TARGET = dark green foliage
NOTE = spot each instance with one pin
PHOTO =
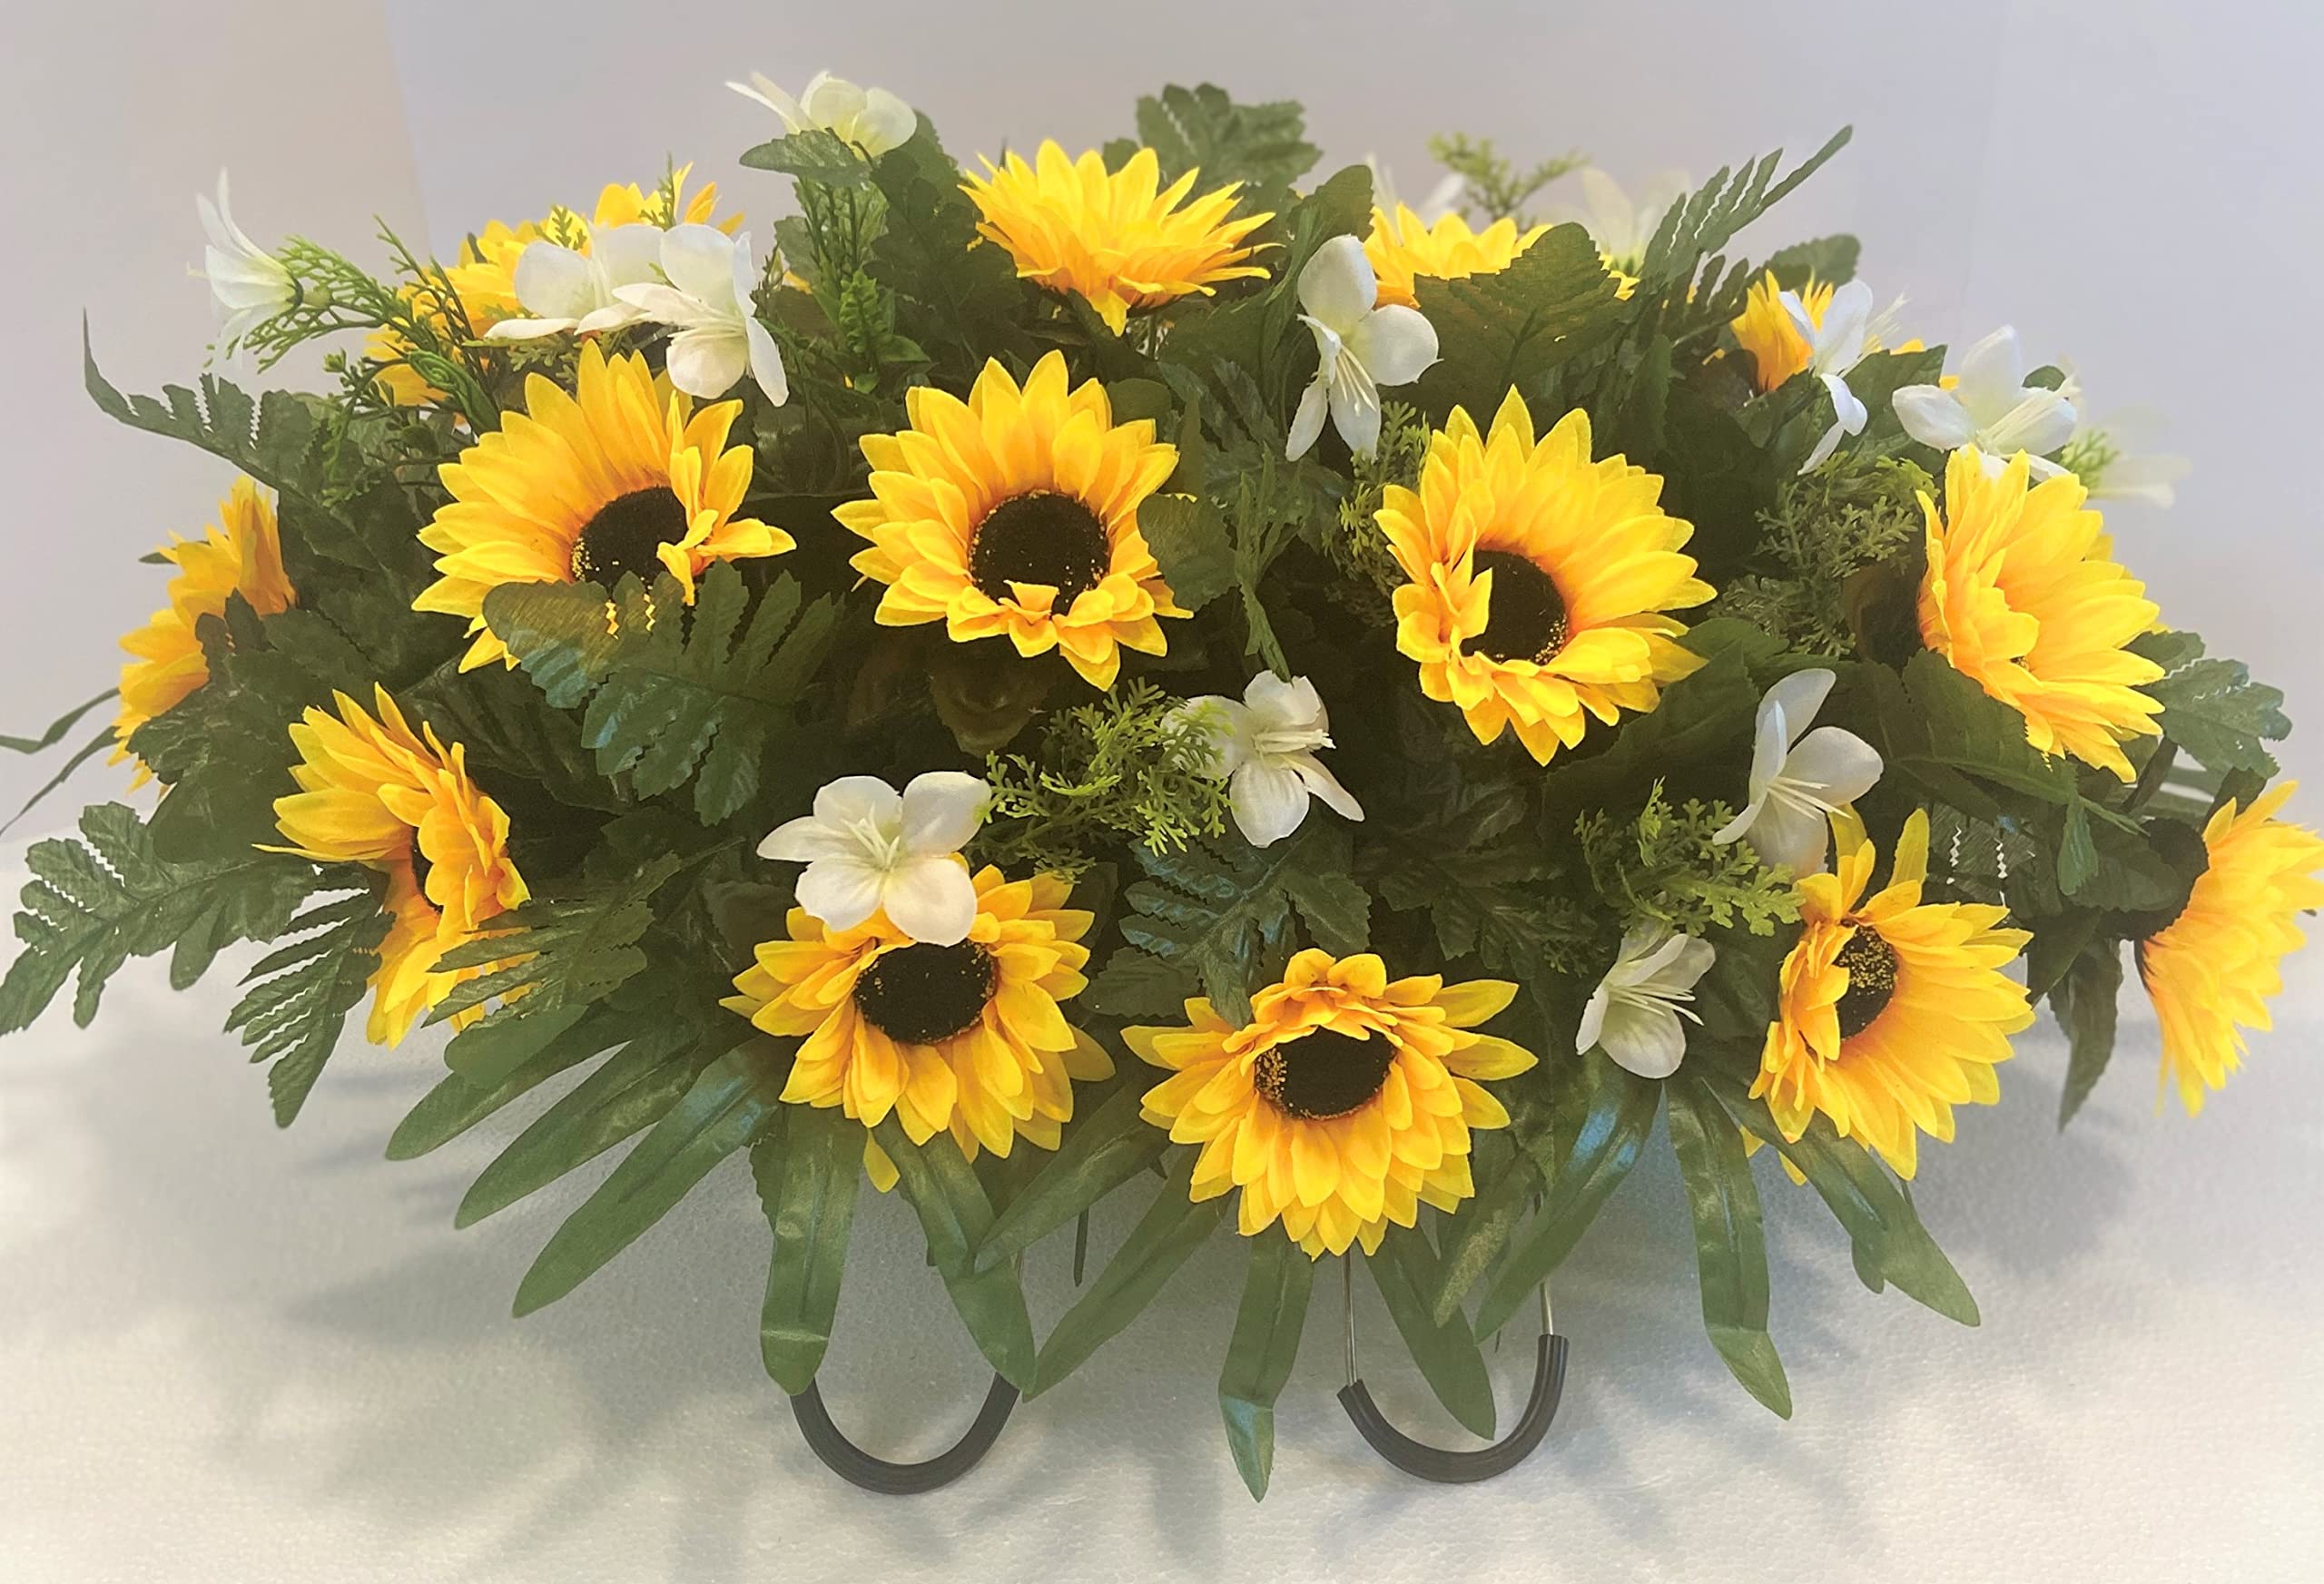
(1263, 147)
(808, 1163)
(1511, 328)
(812, 155)
(2084, 1002)
(1262, 1350)
(1172, 1228)
(1107, 1147)
(1730, 1247)
(1216, 920)
(299, 996)
(93, 905)
(672, 697)
(955, 1215)
(2211, 707)
(1406, 1272)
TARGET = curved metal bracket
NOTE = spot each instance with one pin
(1436, 1464)
(859, 1467)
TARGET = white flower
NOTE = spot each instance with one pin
(1359, 348)
(2109, 455)
(1634, 1012)
(707, 300)
(1850, 333)
(248, 283)
(1265, 749)
(1622, 228)
(568, 292)
(1796, 781)
(1442, 199)
(1992, 407)
(869, 848)
(873, 119)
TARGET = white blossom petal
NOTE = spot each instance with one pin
(706, 362)
(1931, 414)
(942, 810)
(1789, 836)
(1326, 787)
(699, 259)
(1395, 344)
(1336, 284)
(1269, 802)
(555, 282)
(1355, 413)
(806, 839)
(1836, 764)
(887, 123)
(1593, 1020)
(932, 900)
(1307, 423)
(1992, 374)
(1648, 1039)
(842, 890)
(860, 799)
(1800, 695)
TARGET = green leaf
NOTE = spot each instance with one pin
(1189, 129)
(1510, 328)
(807, 1165)
(551, 958)
(1699, 717)
(1172, 1228)
(1260, 1355)
(955, 1215)
(93, 905)
(1190, 544)
(1406, 1272)
(1731, 1245)
(80, 756)
(458, 1103)
(1891, 1244)
(1475, 1239)
(1216, 917)
(1671, 274)
(671, 700)
(627, 1094)
(812, 155)
(1617, 1113)
(1106, 1149)
(721, 1113)
(2211, 707)
(2084, 1002)
(1939, 728)
(56, 728)
(1827, 258)
(299, 996)
(959, 301)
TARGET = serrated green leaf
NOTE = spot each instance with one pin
(1260, 1355)
(2084, 1002)
(1215, 920)
(1508, 329)
(1172, 1228)
(812, 155)
(1190, 544)
(1098, 1154)
(298, 998)
(1731, 1245)
(1406, 1272)
(808, 1164)
(2211, 707)
(1939, 729)
(1201, 129)
(92, 905)
(671, 700)
(721, 1113)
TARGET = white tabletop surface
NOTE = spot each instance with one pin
(230, 1354)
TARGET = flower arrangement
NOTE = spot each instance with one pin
(1149, 672)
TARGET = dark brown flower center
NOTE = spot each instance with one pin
(1323, 1074)
(1871, 964)
(625, 535)
(1526, 618)
(1044, 537)
(920, 994)
(421, 866)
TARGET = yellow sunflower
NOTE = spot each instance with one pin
(1119, 241)
(2214, 966)
(1344, 1104)
(1540, 579)
(241, 554)
(1015, 513)
(483, 276)
(967, 1039)
(2022, 596)
(1402, 246)
(373, 792)
(1891, 1010)
(622, 476)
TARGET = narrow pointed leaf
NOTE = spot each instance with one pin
(955, 1215)
(1113, 1144)
(808, 1163)
(1173, 1227)
(1404, 1270)
(1265, 1346)
(1730, 1244)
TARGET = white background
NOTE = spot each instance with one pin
(228, 1354)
